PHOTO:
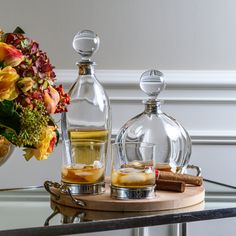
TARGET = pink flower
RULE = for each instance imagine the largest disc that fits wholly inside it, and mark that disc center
(9, 55)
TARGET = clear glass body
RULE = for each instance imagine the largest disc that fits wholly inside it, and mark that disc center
(173, 144)
(88, 163)
(86, 129)
(133, 165)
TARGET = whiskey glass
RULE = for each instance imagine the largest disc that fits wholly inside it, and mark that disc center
(83, 168)
(132, 170)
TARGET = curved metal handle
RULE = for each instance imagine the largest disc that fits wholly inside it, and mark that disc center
(48, 184)
(63, 188)
(196, 168)
(67, 190)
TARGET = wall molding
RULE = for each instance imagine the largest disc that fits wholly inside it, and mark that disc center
(206, 138)
(175, 79)
(182, 88)
(216, 138)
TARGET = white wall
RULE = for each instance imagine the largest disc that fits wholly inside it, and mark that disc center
(135, 34)
(204, 102)
(193, 42)
(196, 36)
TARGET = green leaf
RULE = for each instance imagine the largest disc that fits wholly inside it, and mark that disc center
(8, 134)
(52, 123)
(18, 30)
(9, 118)
(58, 136)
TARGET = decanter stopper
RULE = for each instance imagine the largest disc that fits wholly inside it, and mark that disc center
(152, 82)
(86, 43)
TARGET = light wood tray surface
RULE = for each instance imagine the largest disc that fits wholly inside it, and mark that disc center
(164, 200)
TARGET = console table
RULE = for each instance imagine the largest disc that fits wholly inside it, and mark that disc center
(29, 211)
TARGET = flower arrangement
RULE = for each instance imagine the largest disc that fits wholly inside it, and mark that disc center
(28, 96)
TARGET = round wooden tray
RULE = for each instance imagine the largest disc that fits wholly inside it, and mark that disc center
(164, 200)
(71, 213)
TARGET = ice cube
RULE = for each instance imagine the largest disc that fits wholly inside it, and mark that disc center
(132, 178)
(97, 164)
(78, 166)
(95, 176)
(137, 164)
(82, 172)
(130, 170)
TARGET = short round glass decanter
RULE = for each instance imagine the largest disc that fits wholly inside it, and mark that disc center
(86, 126)
(173, 144)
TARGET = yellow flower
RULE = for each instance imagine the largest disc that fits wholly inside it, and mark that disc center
(8, 79)
(45, 145)
(1, 34)
(9, 55)
(25, 84)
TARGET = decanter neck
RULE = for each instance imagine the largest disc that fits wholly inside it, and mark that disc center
(152, 106)
(86, 68)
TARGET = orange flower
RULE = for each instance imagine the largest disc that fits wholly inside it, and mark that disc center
(9, 55)
(52, 143)
(45, 145)
(8, 79)
(51, 99)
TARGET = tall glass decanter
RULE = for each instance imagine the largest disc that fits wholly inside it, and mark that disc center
(87, 124)
(173, 144)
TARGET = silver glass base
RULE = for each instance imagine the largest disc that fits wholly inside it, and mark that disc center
(77, 189)
(132, 193)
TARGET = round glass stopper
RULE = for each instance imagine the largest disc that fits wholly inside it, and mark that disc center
(152, 82)
(86, 43)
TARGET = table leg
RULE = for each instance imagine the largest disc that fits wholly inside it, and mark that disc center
(140, 231)
(183, 229)
(179, 229)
